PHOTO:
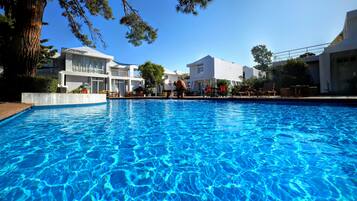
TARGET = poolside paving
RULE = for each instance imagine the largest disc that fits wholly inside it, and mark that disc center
(9, 109)
(345, 100)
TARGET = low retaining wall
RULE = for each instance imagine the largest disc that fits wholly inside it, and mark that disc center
(42, 99)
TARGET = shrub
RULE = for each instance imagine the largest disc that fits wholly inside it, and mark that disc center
(252, 83)
(294, 72)
(139, 89)
(222, 82)
(12, 88)
(255, 83)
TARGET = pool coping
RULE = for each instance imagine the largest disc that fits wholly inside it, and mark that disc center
(68, 105)
(338, 100)
(15, 112)
(28, 107)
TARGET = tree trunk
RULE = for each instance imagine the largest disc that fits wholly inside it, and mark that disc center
(26, 49)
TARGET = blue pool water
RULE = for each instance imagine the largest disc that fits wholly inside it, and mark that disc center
(180, 150)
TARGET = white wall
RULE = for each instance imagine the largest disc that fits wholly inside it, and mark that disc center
(43, 99)
(73, 82)
(251, 72)
(325, 73)
(171, 78)
(214, 69)
(350, 28)
(208, 65)
(227, 70)
(349, 43)
(68, 62)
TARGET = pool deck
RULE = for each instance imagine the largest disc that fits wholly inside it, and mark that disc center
(345, 100)
(10, 109)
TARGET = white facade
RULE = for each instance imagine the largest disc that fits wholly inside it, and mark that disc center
(170, 77)
(87, 66)
(251, 72)
(208, 70)
(338, 62)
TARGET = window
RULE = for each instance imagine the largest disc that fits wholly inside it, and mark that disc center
(199, 69)
(88, 64)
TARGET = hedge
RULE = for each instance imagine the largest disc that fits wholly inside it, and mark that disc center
(11, 89)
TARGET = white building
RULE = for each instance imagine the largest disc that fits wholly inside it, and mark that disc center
(332, 66)
(170, 77)
(338, 62)
(251, 72)
(208, 70)
(87, 66)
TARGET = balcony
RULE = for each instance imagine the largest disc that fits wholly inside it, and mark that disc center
(120, 73)
(300, 52)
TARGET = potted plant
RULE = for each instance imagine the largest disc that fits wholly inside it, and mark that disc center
(223, 87)
(84, 88)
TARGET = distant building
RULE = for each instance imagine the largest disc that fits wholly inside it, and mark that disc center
(251, 72)
(170, 77)
(87, 66)
(332, 66)
(208, 70)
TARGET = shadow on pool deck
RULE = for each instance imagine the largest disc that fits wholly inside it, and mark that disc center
(9, 109)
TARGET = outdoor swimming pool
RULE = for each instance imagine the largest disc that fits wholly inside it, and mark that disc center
(180, 150)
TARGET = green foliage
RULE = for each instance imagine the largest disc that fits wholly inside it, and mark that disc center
(236, 89)
(152, 73)
(80, 88)
(294, 72)
(76, 13)
(223, 83)
(47, 52)
(307, 54)
(262, 56)
(138, 29)
(139, 89)
(12, 88)
(252, 84)
(255, 83)
(190, 6)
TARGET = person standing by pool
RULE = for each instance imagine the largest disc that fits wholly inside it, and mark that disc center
(180, 88)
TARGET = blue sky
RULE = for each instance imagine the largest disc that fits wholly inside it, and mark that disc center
(227, 29)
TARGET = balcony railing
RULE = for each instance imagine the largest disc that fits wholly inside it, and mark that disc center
(120, 73)
(87, 70)
(300, 52)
